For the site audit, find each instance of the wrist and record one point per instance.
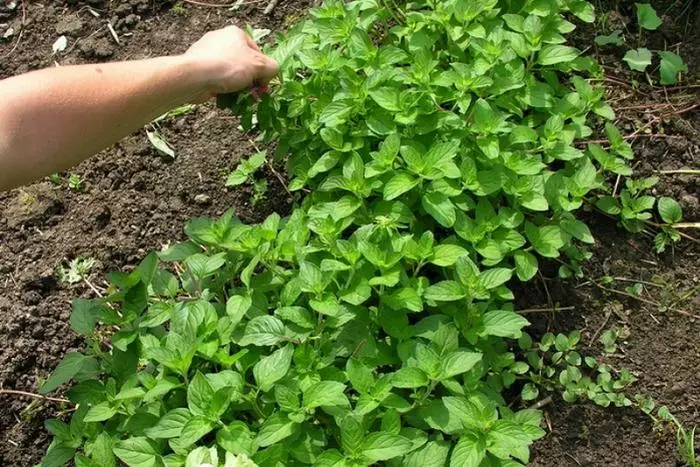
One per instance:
(203, 73)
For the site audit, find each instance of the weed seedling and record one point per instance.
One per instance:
(77, 270)
(75, 182)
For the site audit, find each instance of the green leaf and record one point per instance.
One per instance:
(336, 113)
(553, 54)
(647, 17)
(276, 428)
(84, 316)
(669, 210)
(577, 229)
(504, 323)
(440, 207)
(297, 315)
(273, 368)
(671, 65)
(170, 425)
(458, 362)
(529, 392)
(263, 330)
(469, 451)
(399, 184)
(409, 377)
(387, 98)
(325, 393)
(199, 395)
(432, 454)
(384, 446)
(236, 308)
(57, 455)
(136, 452)
(614, 38)
(445, 291)
(195, 429)
(525, 265)
(638, 59)
(100, 412)
(583, 10)
(70, 366)
(492, 278)
(447, 254)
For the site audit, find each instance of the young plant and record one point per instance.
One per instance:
(78, 269)
(75, 182)
(556, 365)
(55, 178)
(685, 439)
(671, 64)
(245, 172)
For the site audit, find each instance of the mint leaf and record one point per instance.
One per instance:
(669, 210)
(384, 446)
(272, 368)
(136, 451)
(469, 451)
(409, 377)
(504, 323)
(70, 366)
(447, 254)
(326, 393)
(276, 428)
(262, 331)
(554, 54)
(398, 185)
(456, 363)
(170, 425)
(445, 291)
(440, 207)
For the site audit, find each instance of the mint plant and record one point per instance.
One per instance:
(437, 142)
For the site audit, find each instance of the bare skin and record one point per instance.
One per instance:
(54, 118)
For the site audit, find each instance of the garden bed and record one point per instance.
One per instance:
(135, 200)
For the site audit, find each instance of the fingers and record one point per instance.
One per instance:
(251, 43)
(266, 69)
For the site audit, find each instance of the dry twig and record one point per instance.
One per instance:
(13, 392)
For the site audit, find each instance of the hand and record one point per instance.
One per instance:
(231, 61)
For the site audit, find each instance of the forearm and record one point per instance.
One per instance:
(54, 118)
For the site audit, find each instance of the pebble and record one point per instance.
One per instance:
(202, 199)
(69, 25)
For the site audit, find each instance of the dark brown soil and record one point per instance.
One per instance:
(134, 200)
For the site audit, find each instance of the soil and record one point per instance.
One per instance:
(134, 200)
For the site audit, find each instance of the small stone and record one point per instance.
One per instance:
(123, 9)
(202, 199)
(99, 48)
(69, 25)
(131, 20)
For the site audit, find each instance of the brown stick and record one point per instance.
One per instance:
(21, 31)
(679, 172)
(538, 405)
(14, 392)
(648, 302)
(545, 310)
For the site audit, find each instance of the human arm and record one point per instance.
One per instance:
(54, 118)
